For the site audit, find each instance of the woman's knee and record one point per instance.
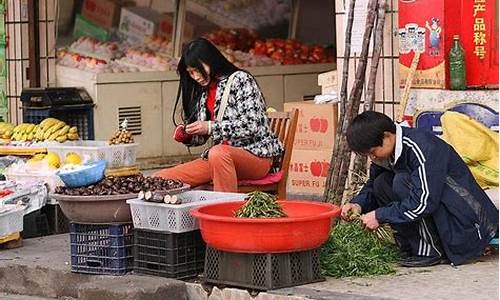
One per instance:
(219, 153)
(168, 173)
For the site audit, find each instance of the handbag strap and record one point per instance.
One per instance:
(225, 97)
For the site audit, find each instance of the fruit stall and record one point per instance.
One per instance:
(130, 70)
(119, 220)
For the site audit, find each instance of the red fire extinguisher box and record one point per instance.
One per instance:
(479, 37)
(427, 26)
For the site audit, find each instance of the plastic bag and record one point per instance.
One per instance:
(475, 143)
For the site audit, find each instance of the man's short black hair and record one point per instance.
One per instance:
(367, 131)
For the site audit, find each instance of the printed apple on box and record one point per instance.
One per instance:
(308, 172)
(316, 126)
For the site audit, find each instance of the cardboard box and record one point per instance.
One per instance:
(328, 78)
(84, 27)
(427, 26)
(136, 23)
(308, 172)
(316, 126)
(105, 13)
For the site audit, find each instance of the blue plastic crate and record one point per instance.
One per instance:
(101, 249)
(81, 116)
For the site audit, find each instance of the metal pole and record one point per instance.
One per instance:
(292, 27)
(180, 16)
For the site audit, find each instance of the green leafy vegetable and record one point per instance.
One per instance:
(260, 205)
(352, 251)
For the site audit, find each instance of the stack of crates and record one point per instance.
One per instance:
(167, 241)
(104, 249)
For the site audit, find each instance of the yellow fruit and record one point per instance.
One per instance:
(46, 134)
(29, 128)
(38, 156)
(62, 138)
(56, 127)
(73, 136)
(16, 129)
(73, 158)
(7, 134)
(63, 130)
(53, 137)
(73, 130)
(48, 123)
(53, 159)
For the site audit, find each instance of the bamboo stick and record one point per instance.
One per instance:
(406, 91)
(353, 104)
(343, 99)
(360, 162)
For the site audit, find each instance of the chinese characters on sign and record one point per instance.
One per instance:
(479, 28)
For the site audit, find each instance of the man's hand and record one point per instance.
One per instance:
(369, 220)
(350, 209)
(197, 128)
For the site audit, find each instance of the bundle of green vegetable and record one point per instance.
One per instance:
(260, 205)
(352, 251)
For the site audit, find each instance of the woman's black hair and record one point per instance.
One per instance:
(194, 54)
(367, 131)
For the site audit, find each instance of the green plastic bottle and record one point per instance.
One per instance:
(457, 65)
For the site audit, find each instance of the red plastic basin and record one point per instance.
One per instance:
(307, 227)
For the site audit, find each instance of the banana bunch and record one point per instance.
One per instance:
(49, 129)
(23, 132)
(6, 130)
(52, 129)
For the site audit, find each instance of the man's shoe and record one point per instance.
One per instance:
(420, 261)
(404, 254)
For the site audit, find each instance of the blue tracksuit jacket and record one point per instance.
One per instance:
(441, 186)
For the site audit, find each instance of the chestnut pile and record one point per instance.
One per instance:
(122, 185)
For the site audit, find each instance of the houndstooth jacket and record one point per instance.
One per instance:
(245, 123)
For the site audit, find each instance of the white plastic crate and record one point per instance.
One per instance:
(175, 217)
(122, 155)
(11, 221)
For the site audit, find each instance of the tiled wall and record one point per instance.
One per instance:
(387, 89)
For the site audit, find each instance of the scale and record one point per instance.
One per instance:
(54, 96)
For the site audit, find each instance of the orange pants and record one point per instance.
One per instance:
(224, 166)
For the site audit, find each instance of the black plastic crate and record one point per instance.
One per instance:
(81, 116)
(262, 271)
(101, 249)
(35, 224)
(58, 223)
(166, 254)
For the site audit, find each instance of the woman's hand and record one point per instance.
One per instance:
(197, 128)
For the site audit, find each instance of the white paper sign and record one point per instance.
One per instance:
(358, 25)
